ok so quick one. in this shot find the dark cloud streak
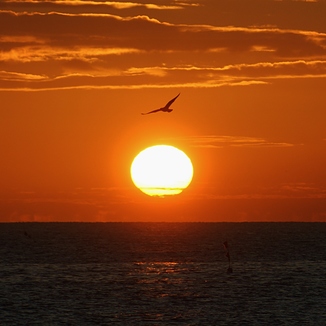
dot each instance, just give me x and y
(149, 34)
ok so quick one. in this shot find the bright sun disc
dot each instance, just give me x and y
(161, 170)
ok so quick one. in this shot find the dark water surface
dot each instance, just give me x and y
(162, 274)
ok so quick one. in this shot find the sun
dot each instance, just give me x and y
(161, 170)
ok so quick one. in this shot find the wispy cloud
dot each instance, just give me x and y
(85, 69)
(113, 4)
(89, 50)
(304, 189)
(16, 76)
(39, 53)
(295, 201)
(299, 0)
(277, 69)
(136, 32)
(218, 141)
(79, 204)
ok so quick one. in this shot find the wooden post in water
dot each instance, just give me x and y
(227, 254)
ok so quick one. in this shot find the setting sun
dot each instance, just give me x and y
(161, 170)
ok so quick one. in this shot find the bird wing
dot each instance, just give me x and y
(170, 102)
(152, 111)
(164, 108)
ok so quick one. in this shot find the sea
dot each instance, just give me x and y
(162, 274)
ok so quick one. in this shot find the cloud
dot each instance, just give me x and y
(92, 50)
(16, 76)
(83, 81)
(112, 204)
(87, 3)
(259, 70)
(39, 53)
(299, 0)
(83, 69)
(310, 190)
(137, 32)
(219, 141)
(97, 204)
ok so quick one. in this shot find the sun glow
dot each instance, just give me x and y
(161, 170)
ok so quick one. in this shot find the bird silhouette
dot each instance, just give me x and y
(166, 108)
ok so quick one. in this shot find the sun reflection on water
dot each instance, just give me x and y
(158, 267)
(160, 272)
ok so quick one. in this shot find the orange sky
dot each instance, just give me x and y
(75, 75)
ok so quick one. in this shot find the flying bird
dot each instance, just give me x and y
(166, 108)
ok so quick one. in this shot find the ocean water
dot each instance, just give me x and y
(162, 274)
